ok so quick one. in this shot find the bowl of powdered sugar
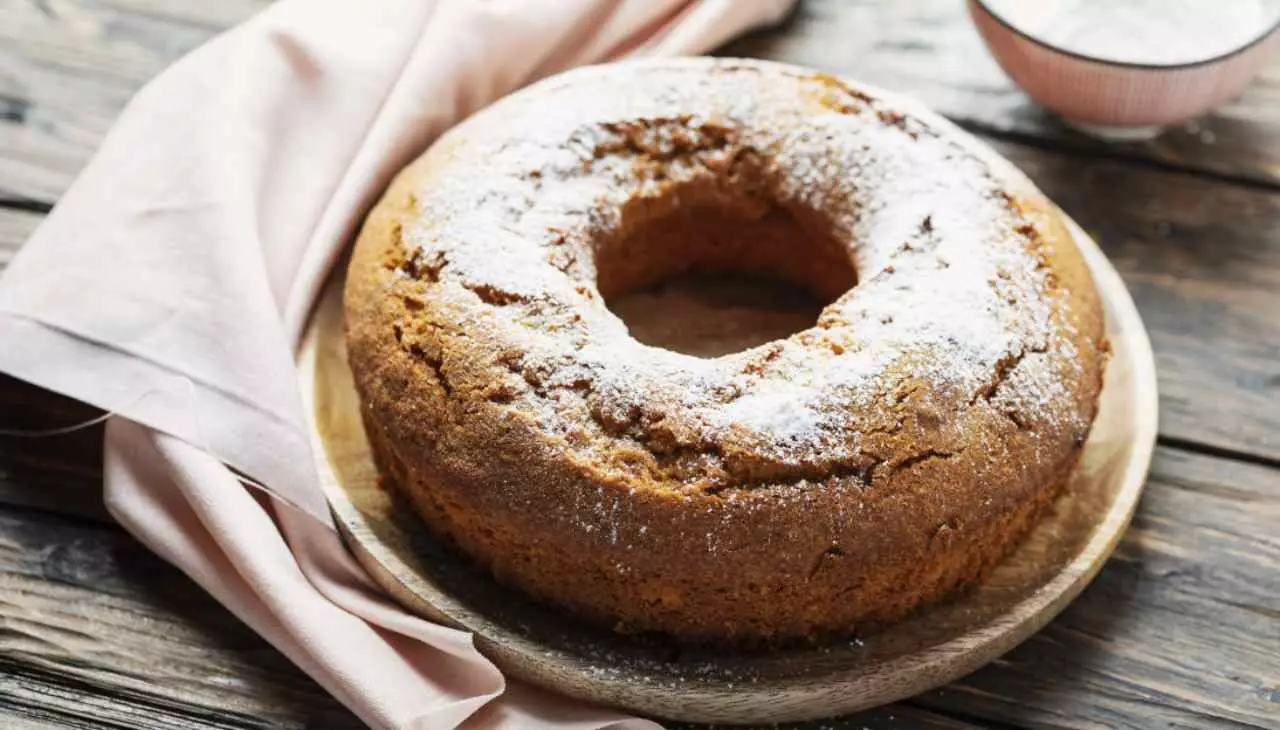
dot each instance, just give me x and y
(1126, 69)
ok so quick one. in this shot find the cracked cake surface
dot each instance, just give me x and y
(823, 483)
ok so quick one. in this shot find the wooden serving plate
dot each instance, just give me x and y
(542, 646)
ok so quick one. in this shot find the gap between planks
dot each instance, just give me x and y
(929, 50)
(1056, 146)
(981, 130)
(1218, 452)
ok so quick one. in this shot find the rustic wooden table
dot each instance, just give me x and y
(1181, 629)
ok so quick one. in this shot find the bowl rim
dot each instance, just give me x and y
(994, 15)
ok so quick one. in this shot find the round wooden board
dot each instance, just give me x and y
(544, 647)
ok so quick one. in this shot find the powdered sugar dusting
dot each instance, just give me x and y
(951, 289)
(785, 412)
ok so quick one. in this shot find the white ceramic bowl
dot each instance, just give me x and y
(1115, 99)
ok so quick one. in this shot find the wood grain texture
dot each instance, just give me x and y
(1207, 284)
(1202, 260)
(62, 474)
(1179, 630)
(96, 631)
(67, 67)
(929, 48)
(1191, 596)
(15, 227)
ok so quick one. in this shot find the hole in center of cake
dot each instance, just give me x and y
(714, 278)
(711, 313)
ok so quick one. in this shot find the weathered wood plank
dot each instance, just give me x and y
(16, 227)
(88, 638)
(97, 631)
(1181, 629)
(1202, 260)
(67, 68)
(85, 635)
(215, 15)
(61, 474)
(930, 49)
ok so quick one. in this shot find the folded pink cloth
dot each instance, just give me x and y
(172, 284)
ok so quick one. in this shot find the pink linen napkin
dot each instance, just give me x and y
(172, 284)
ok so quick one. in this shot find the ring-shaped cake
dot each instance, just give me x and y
(827, 482)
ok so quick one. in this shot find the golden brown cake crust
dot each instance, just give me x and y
(833, 480)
